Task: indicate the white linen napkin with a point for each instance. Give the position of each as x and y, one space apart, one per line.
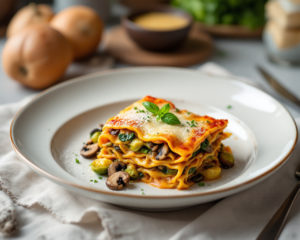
46 210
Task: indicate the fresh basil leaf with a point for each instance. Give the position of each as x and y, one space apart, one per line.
151 107
170 119
165 108
124 137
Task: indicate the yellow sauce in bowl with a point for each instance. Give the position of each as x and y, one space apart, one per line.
160 21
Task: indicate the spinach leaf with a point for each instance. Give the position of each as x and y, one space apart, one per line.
124 137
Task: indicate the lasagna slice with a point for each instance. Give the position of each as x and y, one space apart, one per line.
167 147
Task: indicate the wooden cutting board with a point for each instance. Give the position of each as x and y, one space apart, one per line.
197 48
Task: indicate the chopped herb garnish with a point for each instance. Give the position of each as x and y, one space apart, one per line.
229 106
95 181
189 113
124 137
142 189
162 114
100 177
143 193
135 108
91 180
208 121
140 111
77 161
192 123
201 184
177 110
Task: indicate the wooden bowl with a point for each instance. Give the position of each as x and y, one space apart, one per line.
157 40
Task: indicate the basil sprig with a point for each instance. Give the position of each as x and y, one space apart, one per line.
162 114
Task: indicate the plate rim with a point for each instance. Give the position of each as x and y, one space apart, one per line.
64 182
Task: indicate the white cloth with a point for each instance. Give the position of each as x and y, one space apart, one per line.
45 210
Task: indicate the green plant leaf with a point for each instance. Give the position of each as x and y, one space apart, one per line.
144 149
165 108
151 107
170 119
204 145
124 137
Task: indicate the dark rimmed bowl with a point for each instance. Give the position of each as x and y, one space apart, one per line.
157 40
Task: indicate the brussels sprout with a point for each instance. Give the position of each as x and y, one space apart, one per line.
101 165
226 159
211 173
131 170
95 136
136 144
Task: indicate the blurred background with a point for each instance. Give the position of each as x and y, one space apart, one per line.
238 35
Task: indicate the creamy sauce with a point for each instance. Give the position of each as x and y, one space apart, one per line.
161 21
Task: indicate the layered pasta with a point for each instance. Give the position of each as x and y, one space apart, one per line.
166 151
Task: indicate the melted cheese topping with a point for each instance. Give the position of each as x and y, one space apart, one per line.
182 139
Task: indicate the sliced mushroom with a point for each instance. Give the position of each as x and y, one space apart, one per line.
116 167
162 152
154 148
114 132
118 180
89 149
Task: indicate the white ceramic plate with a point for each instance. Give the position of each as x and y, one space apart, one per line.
49 132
